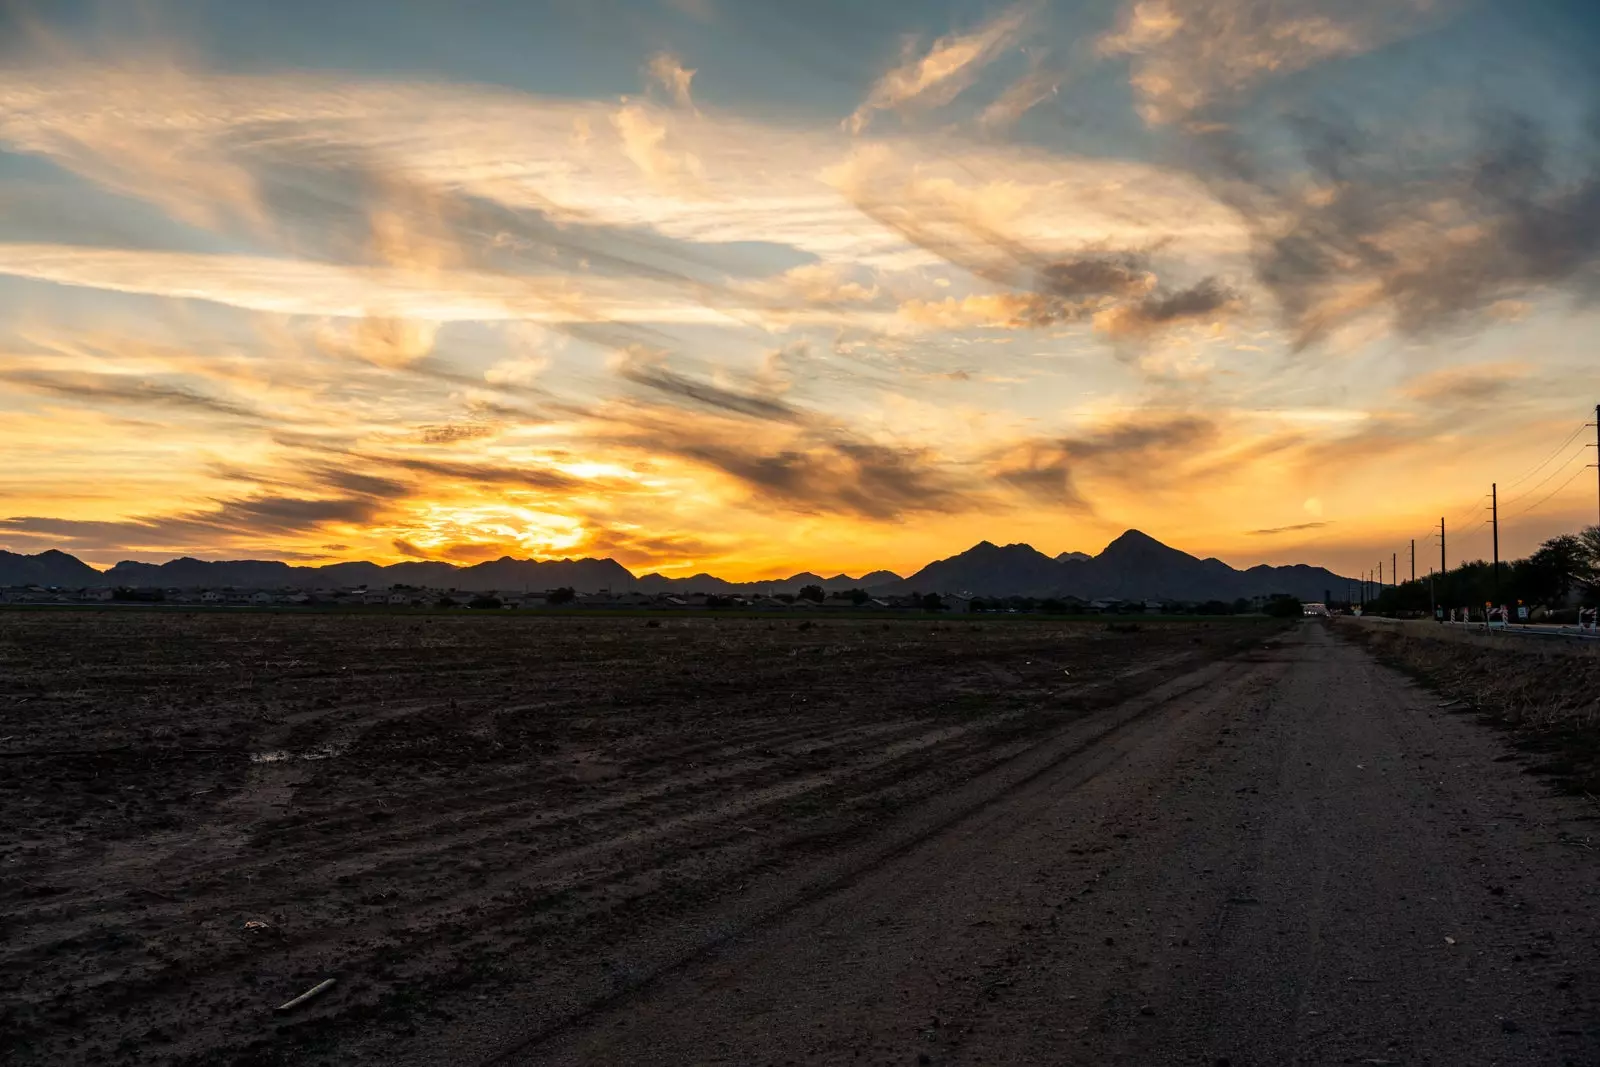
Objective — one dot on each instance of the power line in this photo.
(1466, 514)
(1436, 533)
(1535, 470)
(1556, 473)
(1554, 491)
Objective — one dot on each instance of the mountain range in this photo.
(1134, 566)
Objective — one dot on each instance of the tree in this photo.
(812, 593)
(565, 595)
(484, 602)
(931, 602)
(1554, 568)
(1589, 539)
(1282, 606)
(1052, 606)
(445, 602)
(858, 597)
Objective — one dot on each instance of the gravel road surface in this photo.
(1293, 856)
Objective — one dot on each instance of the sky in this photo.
(749, 286)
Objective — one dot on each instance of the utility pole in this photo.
(1413, 559)
(1597, 441)
(1442, 568)
(1394, 568)
(1380, 576)
(1494, 515)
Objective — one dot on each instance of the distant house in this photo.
(957, 603)
(211, 596)
(1152, 607)
(260, 598)
(399, 600)
(99, 594)
(1105, 604)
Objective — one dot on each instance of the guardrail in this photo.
(1574, 633)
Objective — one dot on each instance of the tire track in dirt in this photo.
(523, 837)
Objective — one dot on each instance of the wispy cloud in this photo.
(1020, 97)
(92, 388)
(1132, 451)
(939, 75)
(1296, 528)
(668, 71)
(1187, 54)
(1478, 383)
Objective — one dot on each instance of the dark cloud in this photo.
(870, 481)
(207, 529)
(383, 477)
(1116, 274)
(1466, 387)
(1288, 529)
(1166, 308)
(451, 432)
(359, 483)
(279, 514)
(1203, 299)
(632, 548)
(801, 461)
(706, 395)
(483, 473)
(1047, 468)
(126, 389)
(1428, 242)
(406, 548)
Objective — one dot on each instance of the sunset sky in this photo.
(751, 286)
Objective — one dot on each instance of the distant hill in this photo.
(988, 569)
(1133, 567)
(58, 568)
(47, 568)
(707, 583)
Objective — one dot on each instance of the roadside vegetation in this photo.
(1554, 581)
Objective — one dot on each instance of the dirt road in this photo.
(746, 841)
(1291, 857)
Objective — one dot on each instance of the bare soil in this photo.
(488, 830)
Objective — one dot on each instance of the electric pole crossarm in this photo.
(1597, 447)
(1494, 515)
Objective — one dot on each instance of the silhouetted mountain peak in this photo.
(1134, 541)
(1134, 566)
